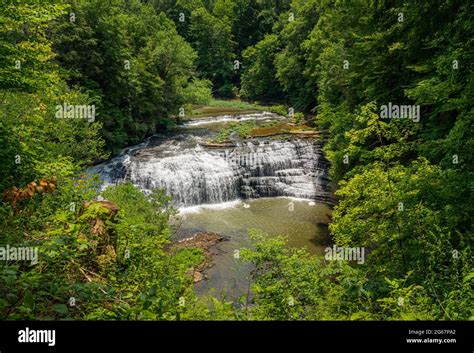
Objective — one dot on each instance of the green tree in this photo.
(259, 77)
(213, 40)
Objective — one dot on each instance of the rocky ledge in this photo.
(205, 241)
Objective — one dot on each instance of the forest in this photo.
(386, 87)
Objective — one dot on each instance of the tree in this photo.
(259, 77)
(212, 38)
(139, 83)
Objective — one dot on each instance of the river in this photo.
(277, 185)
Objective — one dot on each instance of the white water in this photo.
(194, 175)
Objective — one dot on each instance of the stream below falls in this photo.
(277, 185)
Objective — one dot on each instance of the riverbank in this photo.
(278, 185)
(205, 241)
(217, 107)
(303, 222)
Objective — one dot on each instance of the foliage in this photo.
(402, 185)
(258, 79)
(121, 54)
(236, 130)
(212, 38)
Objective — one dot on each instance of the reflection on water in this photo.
(302, 221)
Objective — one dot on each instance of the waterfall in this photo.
(193, 174)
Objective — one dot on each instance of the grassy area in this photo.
(223, 107)
(242, 129)
(235, 103)
(248, 129)
(235, 106)
(205, 111)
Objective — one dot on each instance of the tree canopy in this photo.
(403, 186)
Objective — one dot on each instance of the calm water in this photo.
(257, 192)
(302, 221)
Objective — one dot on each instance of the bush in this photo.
(198, 92)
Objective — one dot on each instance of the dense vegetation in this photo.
(403, 186)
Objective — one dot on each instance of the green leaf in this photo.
(469, 277)
(61, 308)
(29, 301)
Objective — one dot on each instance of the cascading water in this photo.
(194, 174)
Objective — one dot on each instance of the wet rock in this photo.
(204, 241)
